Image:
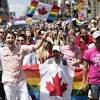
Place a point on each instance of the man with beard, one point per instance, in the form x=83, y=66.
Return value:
x=92, y=67
x=83, y=39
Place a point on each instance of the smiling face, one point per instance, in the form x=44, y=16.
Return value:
x=71, y=42
x=28, y=37
x=10, y=39
x=83, y=32
x=20, y=41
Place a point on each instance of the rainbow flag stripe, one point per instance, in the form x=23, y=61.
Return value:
x=32, y=8
x=33, y=80
x=77, y=92
x=53, y=14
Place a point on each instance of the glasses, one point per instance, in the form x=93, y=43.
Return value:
x=1, y=32
x=20, y=40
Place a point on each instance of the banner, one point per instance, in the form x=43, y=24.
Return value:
x=47, y=81
x=52, y=81
x=43, y=11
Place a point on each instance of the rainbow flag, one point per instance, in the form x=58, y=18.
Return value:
x=77, y=92
x=32, y=8
x=43, y=11
x=53, y=14
x=33, y=80
x=47, y=82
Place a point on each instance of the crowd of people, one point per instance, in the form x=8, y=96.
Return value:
x=73, y=42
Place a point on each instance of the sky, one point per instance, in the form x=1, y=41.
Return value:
x=18, y=6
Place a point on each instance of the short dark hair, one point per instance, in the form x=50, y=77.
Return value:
x=9, y=32
x=23, y=36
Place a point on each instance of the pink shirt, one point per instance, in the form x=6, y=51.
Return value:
x=11, y=63
x=70, y=55
x=93, y=57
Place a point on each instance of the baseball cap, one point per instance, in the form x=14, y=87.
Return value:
x=67, y=2
x=56, y=48
x=96, y=34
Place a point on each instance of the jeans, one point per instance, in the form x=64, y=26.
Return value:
x=19, y=91
x=95, y=90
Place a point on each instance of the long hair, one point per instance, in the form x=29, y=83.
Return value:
x=43, y=52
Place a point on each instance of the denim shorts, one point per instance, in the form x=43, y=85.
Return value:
x=95, y=90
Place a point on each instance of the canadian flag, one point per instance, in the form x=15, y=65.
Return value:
x=55, y=82
x=42, y=12
x=48, y=81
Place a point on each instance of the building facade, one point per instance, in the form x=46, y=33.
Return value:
x=95, y=8
x=98, y=8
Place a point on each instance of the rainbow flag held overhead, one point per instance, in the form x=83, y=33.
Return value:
x=53, y=14
x=32, y=8
x=43, y=11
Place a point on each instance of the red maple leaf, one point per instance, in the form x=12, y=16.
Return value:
x=42, y=11
x=56, y=89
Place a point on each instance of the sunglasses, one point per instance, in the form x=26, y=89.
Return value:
x=1, y=32
x=20, y=40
